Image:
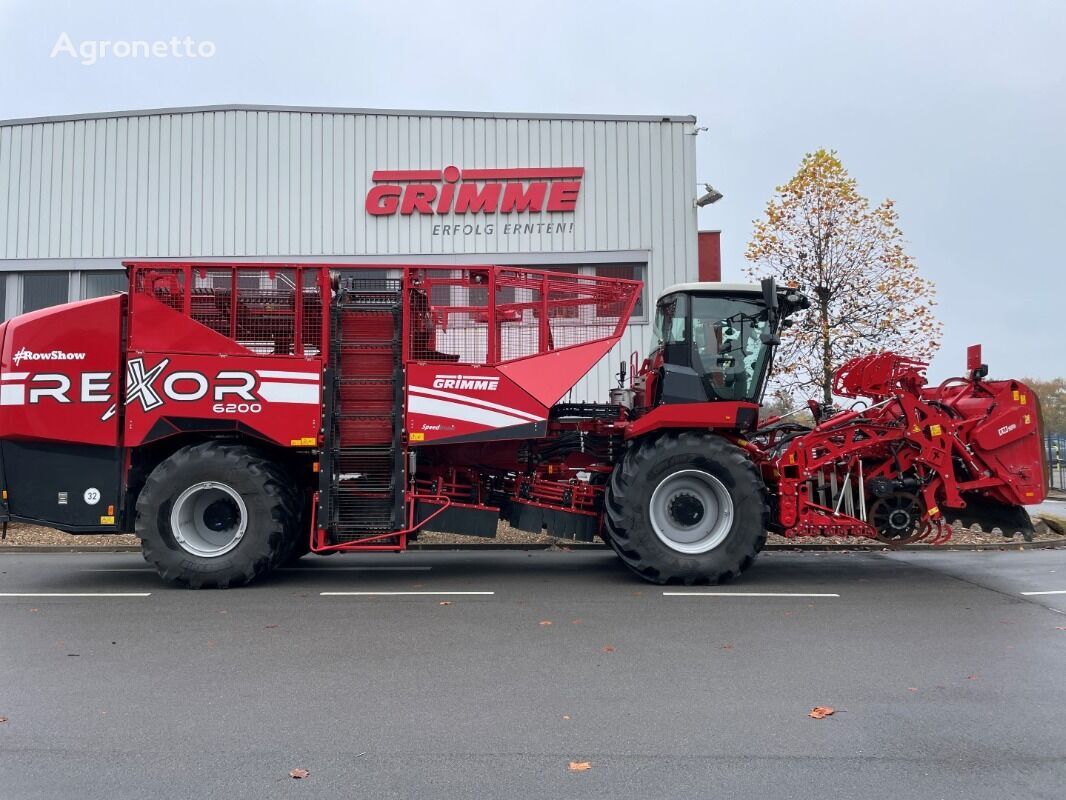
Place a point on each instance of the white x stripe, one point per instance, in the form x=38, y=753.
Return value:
x=139, y=386
x=139, y=383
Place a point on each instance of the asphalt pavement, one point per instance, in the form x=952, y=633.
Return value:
x=474, y=674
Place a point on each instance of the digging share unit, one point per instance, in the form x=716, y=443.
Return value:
x=237, y=417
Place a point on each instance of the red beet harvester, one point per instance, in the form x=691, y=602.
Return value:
x=237, y=417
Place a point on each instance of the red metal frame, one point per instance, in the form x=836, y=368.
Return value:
x=242, y=300
x=556, y=290
x=319, y=536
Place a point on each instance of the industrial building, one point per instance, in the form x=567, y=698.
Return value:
x=590, y=194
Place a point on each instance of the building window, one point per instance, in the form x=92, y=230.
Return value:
x=635, y=272
x=43, y=289
x=102, y=284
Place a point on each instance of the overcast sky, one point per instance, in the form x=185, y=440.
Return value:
x=955, y=110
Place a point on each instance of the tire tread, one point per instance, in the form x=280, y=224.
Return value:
x=257, y=553
x=630, y=536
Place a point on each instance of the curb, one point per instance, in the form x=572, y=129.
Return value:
x=1052, y=544
x=33, y=548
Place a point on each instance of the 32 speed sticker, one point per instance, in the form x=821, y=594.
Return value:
x=91, y=496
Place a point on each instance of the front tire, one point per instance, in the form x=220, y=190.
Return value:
x=216, y=515
x=686, y=508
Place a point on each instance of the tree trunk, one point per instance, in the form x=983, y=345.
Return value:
x=827, y=352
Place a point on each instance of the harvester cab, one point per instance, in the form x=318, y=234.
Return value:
x=715, y=342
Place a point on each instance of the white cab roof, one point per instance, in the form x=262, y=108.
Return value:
x=714, y=286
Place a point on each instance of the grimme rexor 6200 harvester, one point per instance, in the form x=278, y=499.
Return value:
x=236, y=417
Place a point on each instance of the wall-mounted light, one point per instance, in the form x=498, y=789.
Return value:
x=711, y=195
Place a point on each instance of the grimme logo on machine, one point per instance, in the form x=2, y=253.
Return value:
x=466, y=382
x=474, y=191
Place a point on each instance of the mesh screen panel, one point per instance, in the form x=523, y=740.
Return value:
x=269, y=310
x=465, y=315
x=491, y=315
x=164, y=285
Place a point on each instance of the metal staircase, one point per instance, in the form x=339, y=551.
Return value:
x=365, y=470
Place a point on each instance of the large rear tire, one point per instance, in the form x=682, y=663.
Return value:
x=686, y=508
x=216, y=515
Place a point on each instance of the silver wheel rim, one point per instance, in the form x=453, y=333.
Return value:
x=208, y=519
x=691, y=511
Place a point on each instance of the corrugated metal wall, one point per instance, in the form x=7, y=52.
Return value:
x=284, y=184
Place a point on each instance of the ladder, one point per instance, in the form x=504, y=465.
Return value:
x=365, y=480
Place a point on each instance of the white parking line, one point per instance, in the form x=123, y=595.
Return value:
x=355, y=569
x=1053, y=591
x=397, y=594
x=75, y=594
x=746, y=594
x=284, y=569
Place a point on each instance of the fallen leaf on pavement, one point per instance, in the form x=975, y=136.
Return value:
x=299, y=773
x=445, y=602
x=4, y=719
x=820, y=712
x=912, y=688
x=971, y=677
x=727, y=646
x=545, y=622
x=580, y=766
x=1057, y=627
x=270, y=626
x=575, y=622
x=565, y=716
x=608, y=649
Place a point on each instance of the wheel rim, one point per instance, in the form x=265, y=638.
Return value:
x=208, y=519
x=691, y=511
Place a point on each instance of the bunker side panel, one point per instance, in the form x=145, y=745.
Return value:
x=469, y=403
x=60, y=374
x=70, y=486
x=184, y=377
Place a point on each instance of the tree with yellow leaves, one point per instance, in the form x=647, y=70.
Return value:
x=866, y=294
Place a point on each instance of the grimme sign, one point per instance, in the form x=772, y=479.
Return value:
x=530, y=190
